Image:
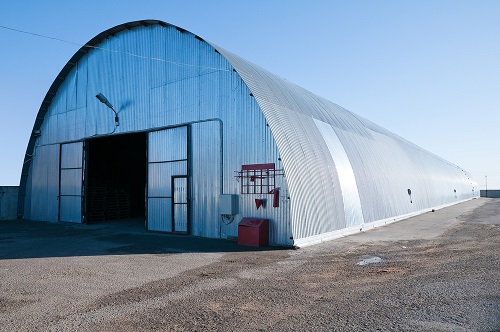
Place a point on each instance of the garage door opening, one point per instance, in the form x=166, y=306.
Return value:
x=116, y=178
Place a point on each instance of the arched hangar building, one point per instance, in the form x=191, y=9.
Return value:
x=200, y=134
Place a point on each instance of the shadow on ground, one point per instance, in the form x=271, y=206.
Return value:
x=27, y=239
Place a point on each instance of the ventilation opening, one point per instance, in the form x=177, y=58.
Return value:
x=116, y=178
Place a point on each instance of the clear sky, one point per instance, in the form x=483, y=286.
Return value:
x=427, y=70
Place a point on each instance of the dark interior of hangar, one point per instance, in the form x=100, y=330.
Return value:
x=116, y=177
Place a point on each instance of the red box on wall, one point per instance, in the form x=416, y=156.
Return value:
x=253, y=232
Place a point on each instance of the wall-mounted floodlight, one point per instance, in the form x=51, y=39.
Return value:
x=106, y=102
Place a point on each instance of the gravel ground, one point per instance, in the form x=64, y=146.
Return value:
x=407, y=276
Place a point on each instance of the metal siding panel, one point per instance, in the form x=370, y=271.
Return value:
x=70, y=86
x=71, y=182
x=73, y=154
x=58, y=104
x=26, y=209
x=176, y=102
x=180, y=190
x=180, y=217
x=45, y=184
x=81, y=83
x=352, y=205
x=316, y=195
x=167, y=145
x=101, y=78
x=128, y=103
x=179, y=52
x=206, y=170
x=160, y=214
x=159, y=180
x=354, y=146
x=160, y=177
x=63, y=128
x=38, y=186
x=71, y=209
x=70, y=130
x=80, y=123
x=49, y=130
x=70, y=188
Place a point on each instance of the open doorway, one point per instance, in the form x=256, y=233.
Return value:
x=116, y=173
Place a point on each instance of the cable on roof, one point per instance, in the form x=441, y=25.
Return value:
x=180, y=64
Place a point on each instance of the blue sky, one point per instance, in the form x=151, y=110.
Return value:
x=426, y=70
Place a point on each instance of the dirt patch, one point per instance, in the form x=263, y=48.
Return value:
x=11, y=305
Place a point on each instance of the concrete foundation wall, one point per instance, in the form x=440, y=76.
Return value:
x=8, y=202
x=495, y=193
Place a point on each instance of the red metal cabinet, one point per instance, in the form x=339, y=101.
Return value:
x=253, y=232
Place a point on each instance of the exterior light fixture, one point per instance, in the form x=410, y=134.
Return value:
x=106, y=102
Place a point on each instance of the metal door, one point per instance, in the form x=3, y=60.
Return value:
x=180, y=209
x=70, y=182
x=167, y=160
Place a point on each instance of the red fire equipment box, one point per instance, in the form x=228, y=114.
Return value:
x=253, y=232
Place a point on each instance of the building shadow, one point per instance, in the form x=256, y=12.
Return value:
x=30, y=239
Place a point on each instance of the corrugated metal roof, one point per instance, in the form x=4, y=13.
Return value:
x=303, y=126
x=384, y=165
